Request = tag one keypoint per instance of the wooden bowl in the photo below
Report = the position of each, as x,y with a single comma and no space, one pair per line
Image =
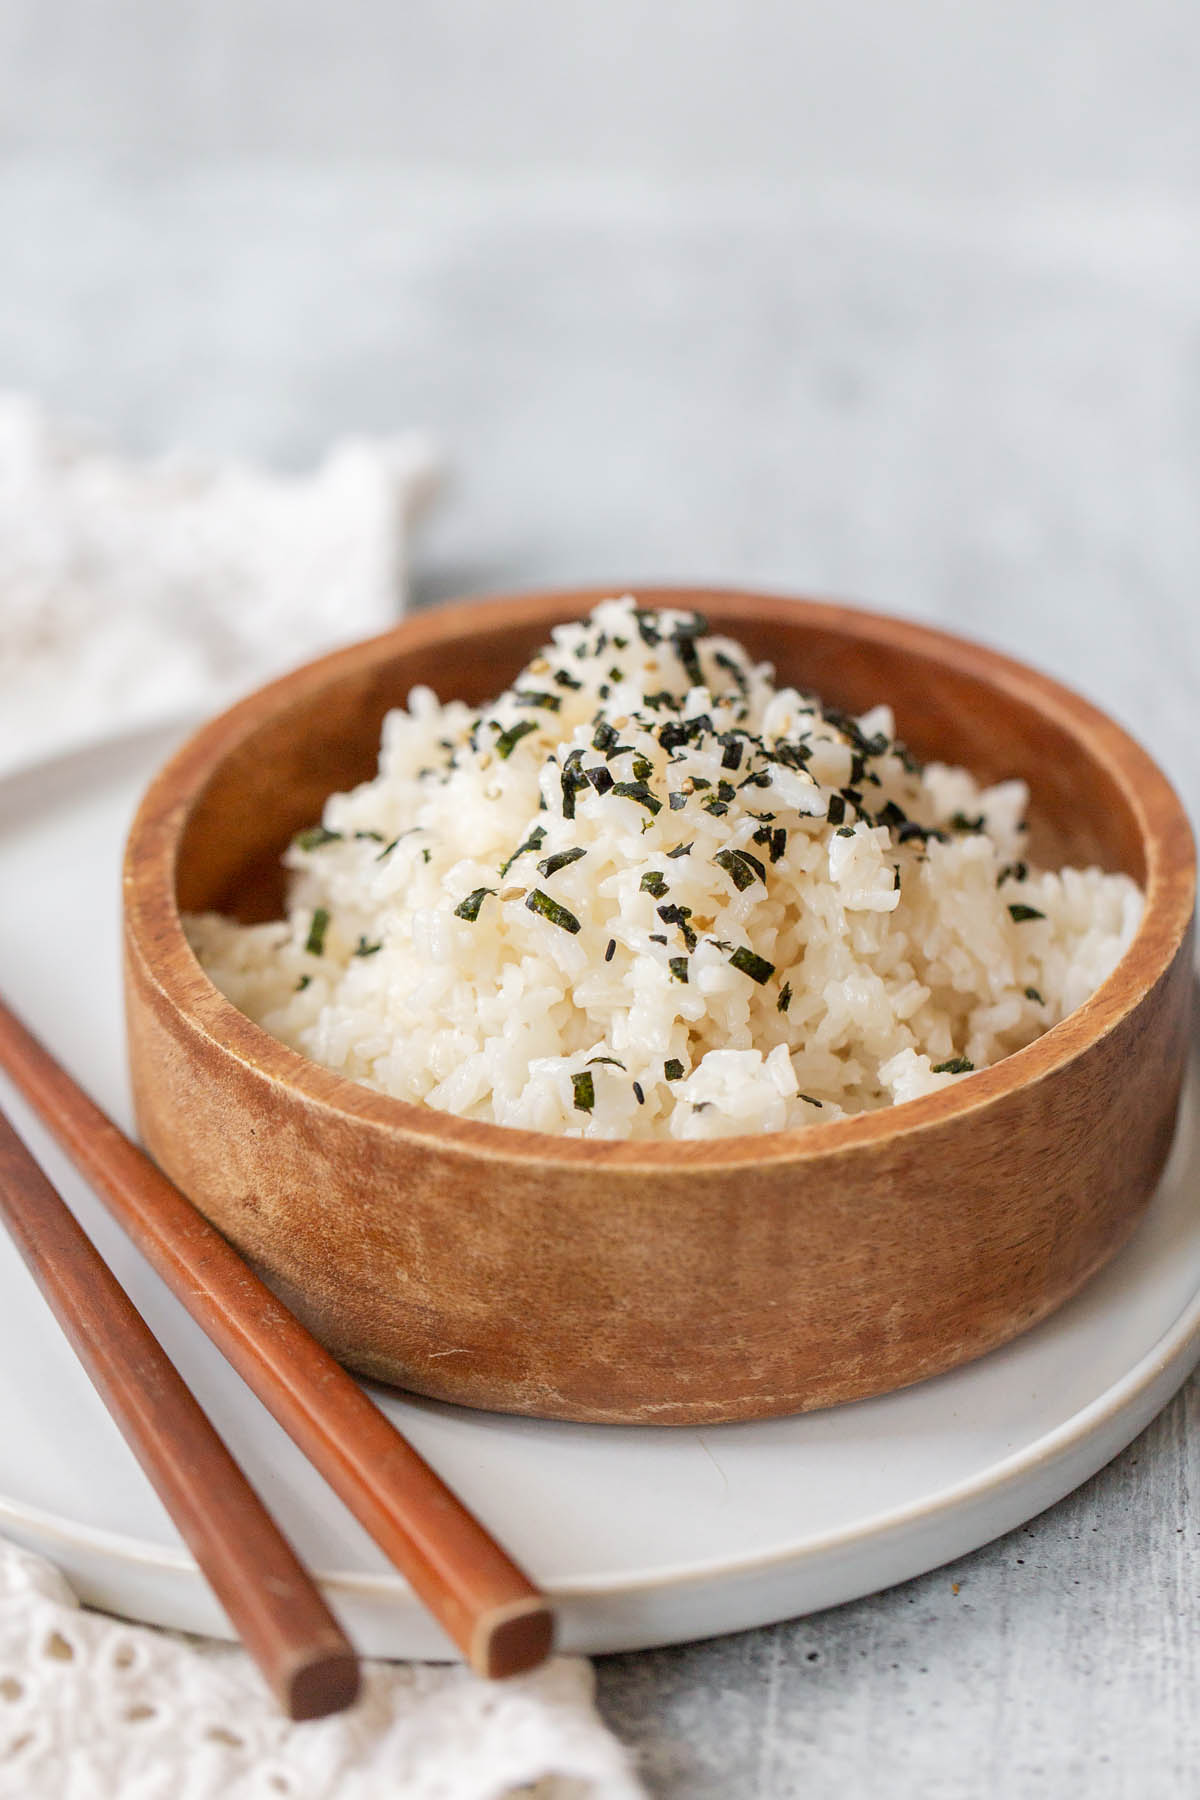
666,1283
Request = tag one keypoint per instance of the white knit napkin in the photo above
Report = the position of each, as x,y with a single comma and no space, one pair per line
95,1709
132,592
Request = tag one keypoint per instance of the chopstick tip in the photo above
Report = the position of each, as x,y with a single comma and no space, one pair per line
321,1685
513,1638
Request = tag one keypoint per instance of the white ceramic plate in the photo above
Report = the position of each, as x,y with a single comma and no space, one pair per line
642,1536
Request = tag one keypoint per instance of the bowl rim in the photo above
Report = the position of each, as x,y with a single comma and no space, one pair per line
151,910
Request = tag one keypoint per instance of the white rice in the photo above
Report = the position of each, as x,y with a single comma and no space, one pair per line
831,962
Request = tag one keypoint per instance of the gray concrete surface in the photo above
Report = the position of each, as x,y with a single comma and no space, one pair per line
1023,95
1060,1661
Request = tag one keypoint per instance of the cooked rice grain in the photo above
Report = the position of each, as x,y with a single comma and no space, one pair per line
646,865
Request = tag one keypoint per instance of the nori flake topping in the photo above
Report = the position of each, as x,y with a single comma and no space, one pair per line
468,909
742,868
679,915
315,837
550,865
637,790
534,841
315,942
532,697
508,740
748,963
549,909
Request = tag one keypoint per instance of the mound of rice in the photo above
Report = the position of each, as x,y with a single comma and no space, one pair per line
647,893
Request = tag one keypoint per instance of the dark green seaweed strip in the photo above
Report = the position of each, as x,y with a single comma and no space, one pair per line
731,668
534,841
738,868
550,865
774,841
541,903
637,790
532,697
571,780
508,740
468,909
315,943
679,915
314,836
747,962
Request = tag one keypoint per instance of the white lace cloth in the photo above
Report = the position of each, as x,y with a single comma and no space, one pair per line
94,1709
136,591
129,592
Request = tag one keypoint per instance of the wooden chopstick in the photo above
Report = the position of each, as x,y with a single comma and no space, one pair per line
486,1604
269,1597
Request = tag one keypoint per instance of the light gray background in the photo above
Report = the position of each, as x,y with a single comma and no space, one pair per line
896,302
